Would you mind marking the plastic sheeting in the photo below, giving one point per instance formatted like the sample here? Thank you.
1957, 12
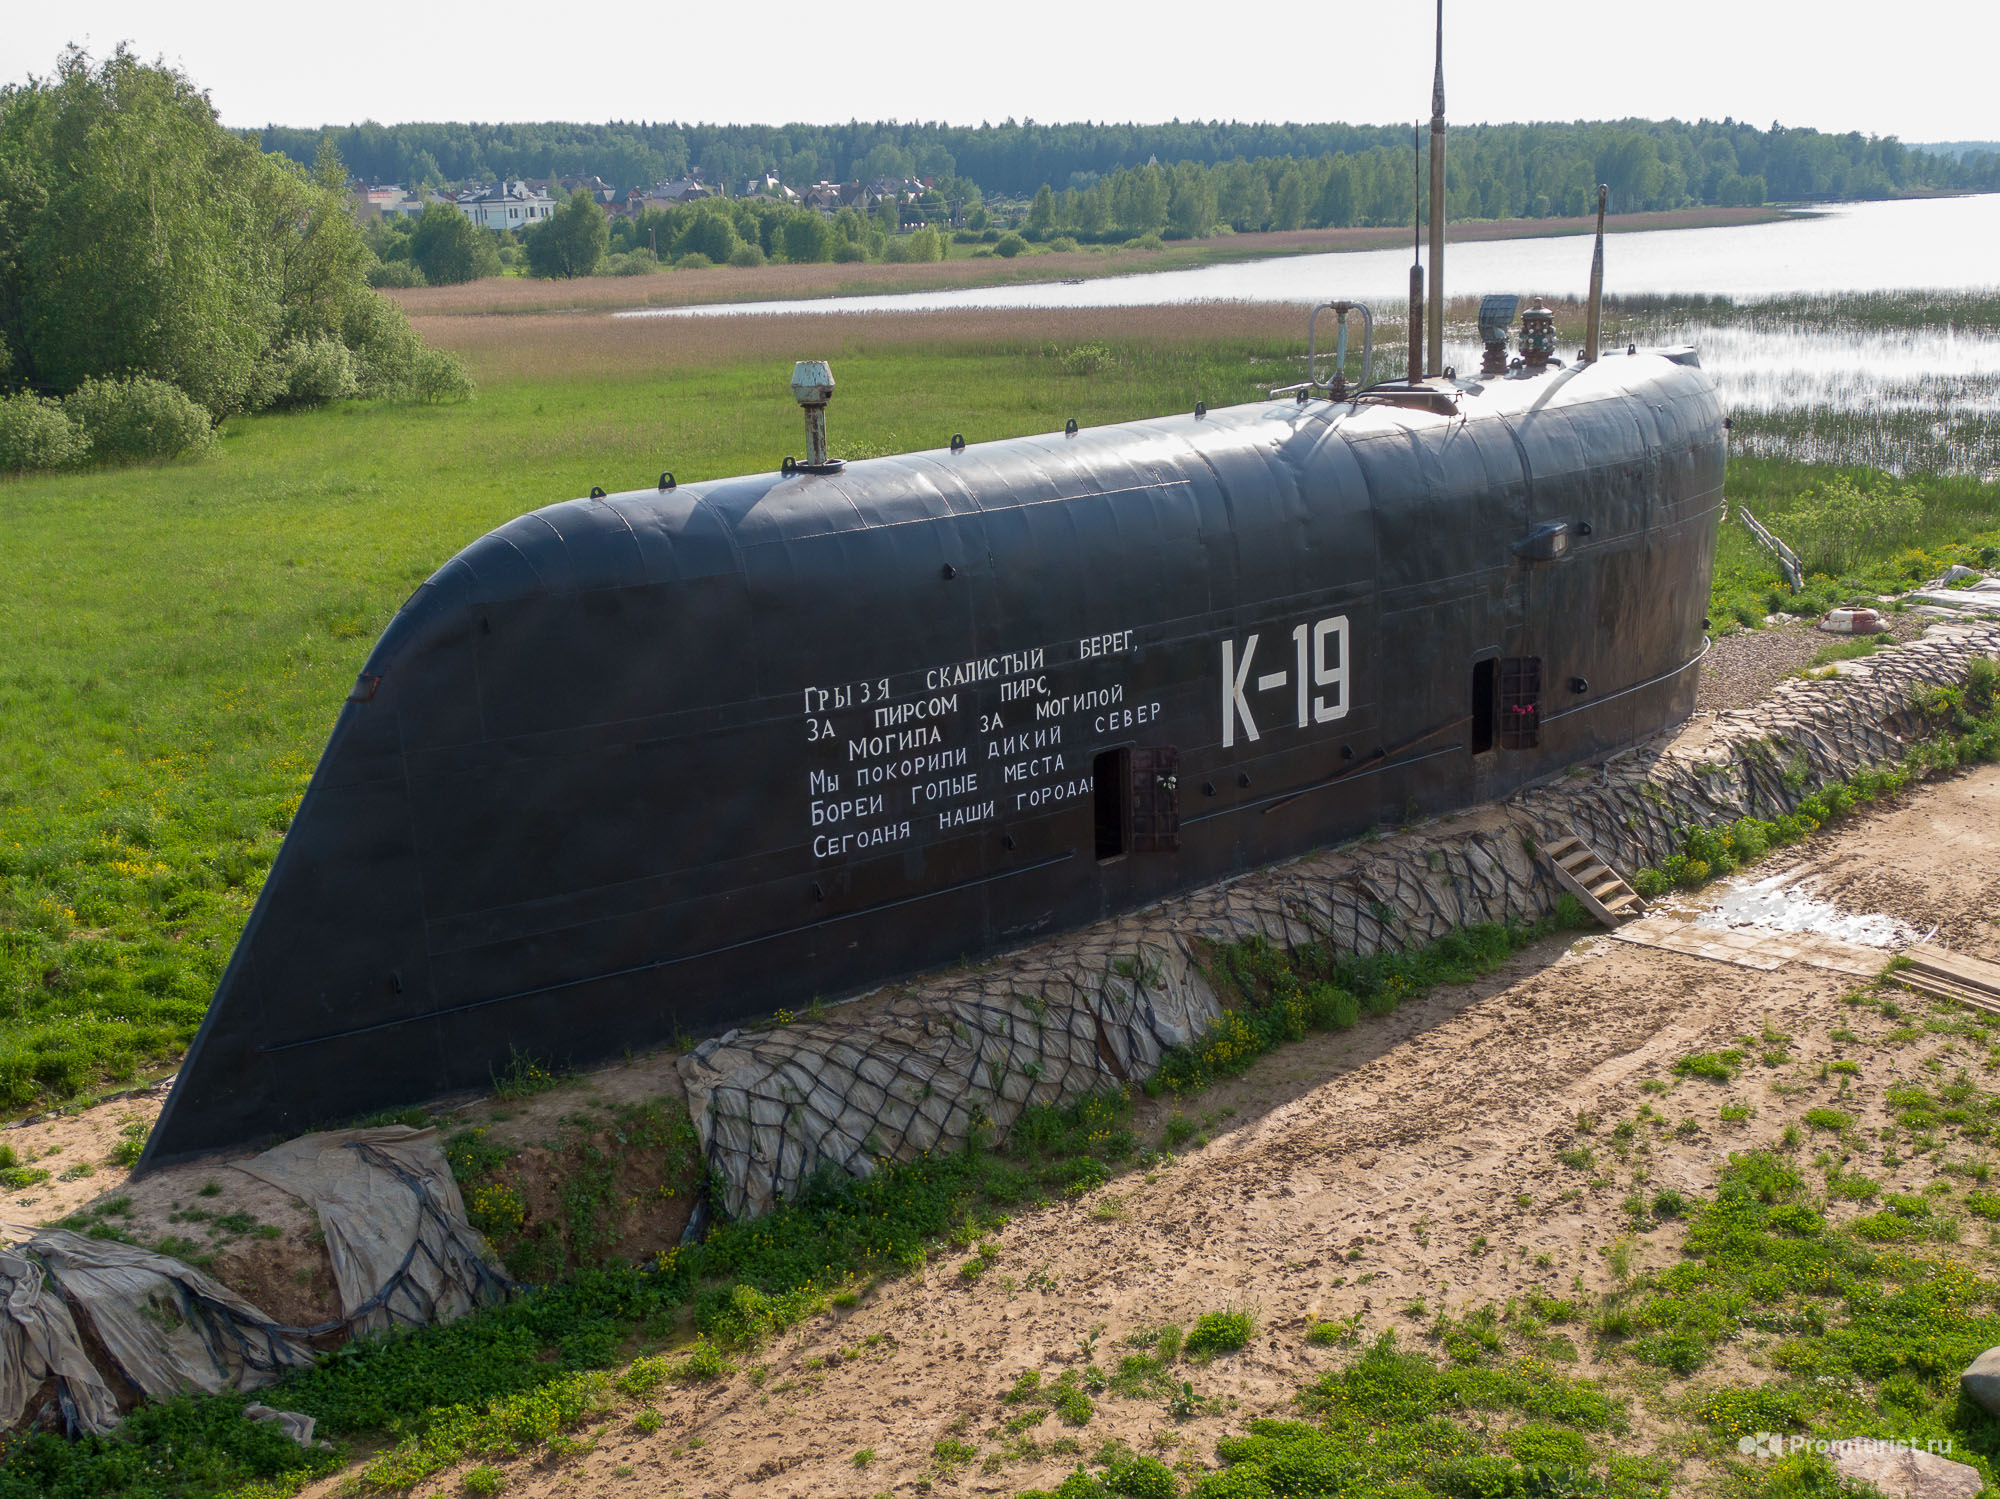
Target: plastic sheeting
395, 1225
38, 1344
92, 1325
164, 1326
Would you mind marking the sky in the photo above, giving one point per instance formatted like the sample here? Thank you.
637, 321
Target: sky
1922, 70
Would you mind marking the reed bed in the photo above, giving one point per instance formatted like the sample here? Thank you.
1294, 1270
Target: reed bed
716, 284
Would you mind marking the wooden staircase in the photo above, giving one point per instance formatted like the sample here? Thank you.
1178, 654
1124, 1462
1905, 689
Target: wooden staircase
1593, 881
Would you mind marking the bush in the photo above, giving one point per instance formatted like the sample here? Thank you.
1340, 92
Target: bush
38, 434
1835, 524
847, 252
312, 372
438, 377
694, 260
746, 256
709, 232
1009, 244
639, 262
1062, 243
138, 418
401, 274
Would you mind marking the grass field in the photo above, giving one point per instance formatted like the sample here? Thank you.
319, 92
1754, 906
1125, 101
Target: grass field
179, 637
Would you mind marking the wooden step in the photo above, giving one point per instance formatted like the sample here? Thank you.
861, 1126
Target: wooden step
1588, 876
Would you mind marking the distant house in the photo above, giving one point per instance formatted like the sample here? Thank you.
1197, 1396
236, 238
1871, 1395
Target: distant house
510, 205
597, 187
767, 185
681, 190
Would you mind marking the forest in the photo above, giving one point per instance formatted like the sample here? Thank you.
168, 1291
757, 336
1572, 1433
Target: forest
1496, 171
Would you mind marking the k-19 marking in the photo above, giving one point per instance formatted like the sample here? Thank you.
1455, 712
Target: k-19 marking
1320, 661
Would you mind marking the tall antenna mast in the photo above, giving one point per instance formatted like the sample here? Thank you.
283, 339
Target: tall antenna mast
1417, 254
1435, 360
1596, 313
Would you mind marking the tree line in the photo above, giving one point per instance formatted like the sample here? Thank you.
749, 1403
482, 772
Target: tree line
1496, 171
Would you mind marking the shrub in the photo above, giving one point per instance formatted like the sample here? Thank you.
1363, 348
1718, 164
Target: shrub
1009, 245
438, 377
138, 418
847, 252
400, 274
746, 256
1062, 242
639, 262
38, 434
310, 372
694, 260
1837, 522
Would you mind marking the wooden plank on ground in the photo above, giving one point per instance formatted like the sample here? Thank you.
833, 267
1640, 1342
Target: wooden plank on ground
1957, 967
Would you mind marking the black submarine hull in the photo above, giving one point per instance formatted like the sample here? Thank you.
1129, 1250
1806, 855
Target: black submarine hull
653, 764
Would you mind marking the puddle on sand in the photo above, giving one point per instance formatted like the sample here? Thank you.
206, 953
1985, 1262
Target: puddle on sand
1768, 923
1785, 903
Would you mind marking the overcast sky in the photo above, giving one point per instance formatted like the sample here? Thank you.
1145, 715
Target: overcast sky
1924, 70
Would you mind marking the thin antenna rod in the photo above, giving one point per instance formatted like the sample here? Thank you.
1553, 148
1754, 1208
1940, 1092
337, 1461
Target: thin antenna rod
1591, 323
1435, 362
1416, 256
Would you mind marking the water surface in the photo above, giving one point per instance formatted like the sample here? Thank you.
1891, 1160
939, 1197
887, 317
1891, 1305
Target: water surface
1926, 244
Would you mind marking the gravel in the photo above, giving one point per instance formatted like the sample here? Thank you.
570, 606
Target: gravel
1746, 664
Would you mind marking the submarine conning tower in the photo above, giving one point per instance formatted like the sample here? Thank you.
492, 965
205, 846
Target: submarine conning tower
658, 763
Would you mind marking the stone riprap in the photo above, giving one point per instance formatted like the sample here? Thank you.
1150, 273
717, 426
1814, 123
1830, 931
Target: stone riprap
918, 1067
